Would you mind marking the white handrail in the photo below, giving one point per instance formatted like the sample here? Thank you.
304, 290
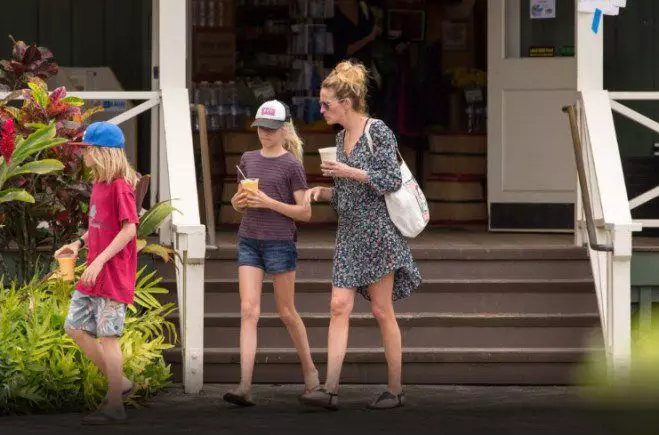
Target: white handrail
638, 96
606, 186
648, 123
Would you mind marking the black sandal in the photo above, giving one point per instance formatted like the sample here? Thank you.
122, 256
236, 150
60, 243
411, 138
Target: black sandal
321, 398
388, 400
237, 399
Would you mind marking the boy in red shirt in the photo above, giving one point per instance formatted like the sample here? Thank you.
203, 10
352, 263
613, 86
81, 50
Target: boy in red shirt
96, 315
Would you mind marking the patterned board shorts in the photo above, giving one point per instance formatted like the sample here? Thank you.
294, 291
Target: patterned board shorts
101, 317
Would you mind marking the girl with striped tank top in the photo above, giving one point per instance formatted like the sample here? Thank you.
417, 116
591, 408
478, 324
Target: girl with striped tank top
267, 239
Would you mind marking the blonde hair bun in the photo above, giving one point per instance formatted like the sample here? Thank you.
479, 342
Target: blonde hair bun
351, 73
348, 81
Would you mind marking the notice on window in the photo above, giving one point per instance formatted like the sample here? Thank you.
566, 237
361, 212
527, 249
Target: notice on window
542, 52
543, 9
608, 7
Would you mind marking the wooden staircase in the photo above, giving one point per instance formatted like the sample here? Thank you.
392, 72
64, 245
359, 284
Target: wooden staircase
493, 311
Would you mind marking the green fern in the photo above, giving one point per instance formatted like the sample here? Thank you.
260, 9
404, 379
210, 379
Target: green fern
41, 368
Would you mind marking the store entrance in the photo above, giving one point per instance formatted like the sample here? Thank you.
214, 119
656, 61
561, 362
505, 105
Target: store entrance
427, 61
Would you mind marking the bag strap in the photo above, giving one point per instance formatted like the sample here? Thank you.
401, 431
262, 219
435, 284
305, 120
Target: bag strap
367, 131
369, 138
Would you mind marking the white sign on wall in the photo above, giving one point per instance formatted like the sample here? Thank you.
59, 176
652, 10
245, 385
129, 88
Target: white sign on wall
608, 7
543, 9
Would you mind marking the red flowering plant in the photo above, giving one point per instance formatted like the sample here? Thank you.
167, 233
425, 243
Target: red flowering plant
60, 199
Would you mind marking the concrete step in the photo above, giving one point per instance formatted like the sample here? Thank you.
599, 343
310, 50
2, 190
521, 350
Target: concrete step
425, 365
436, 330
568, 296
430, 269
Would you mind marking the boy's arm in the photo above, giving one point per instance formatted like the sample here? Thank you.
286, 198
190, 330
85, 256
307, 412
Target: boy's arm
125, 235
82, 240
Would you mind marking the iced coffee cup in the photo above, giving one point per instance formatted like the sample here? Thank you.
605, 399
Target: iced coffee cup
327, 154
67, 264
251, 184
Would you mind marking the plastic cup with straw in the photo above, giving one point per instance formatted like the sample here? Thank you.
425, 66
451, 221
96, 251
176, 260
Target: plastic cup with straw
250, 184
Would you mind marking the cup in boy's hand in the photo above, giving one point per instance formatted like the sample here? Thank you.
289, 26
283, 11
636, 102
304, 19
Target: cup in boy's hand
67, 264
250, 184
327, 154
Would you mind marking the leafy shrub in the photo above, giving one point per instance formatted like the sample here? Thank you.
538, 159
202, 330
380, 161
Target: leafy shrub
42, 369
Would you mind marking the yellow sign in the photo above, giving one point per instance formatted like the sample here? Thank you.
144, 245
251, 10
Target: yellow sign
542, 52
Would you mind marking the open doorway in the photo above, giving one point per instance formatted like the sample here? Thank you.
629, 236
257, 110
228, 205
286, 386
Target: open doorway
428, 62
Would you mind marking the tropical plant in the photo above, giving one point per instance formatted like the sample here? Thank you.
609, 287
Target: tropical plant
61, 199
41, 368
15, 150
27, 62
149, 223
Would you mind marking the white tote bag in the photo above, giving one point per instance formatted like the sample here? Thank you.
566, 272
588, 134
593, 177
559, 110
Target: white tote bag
407, 206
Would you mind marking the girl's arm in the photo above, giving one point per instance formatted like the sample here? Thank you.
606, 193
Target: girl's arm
125, 235
300, 211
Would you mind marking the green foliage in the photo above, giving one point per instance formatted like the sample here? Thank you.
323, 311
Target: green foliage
149, 223
10, 162
41, 368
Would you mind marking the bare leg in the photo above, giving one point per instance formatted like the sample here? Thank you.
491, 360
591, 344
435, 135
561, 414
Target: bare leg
383, 310
93, 350
250, 284
343, 300
114, 364
285, 298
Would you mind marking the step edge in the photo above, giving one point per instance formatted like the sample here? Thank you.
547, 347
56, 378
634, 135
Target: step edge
410, 355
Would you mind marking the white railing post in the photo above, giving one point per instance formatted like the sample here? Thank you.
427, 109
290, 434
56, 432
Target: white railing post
611, 214
165, 232
155, 112
191, 245
619, 308
189, 235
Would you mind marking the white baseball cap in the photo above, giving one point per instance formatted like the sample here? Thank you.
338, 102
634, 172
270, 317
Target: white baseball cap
272, 114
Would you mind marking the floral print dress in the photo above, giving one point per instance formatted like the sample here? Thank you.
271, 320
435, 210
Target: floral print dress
368, 244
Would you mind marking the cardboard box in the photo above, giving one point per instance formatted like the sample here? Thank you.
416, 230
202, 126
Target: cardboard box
214, 52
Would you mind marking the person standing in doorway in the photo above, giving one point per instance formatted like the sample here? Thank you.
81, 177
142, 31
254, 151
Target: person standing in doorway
267, 238
372, 257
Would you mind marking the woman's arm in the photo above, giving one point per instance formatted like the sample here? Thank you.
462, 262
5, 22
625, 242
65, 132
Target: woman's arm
358, 45
383, 173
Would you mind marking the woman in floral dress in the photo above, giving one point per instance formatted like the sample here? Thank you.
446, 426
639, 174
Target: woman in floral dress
372, 257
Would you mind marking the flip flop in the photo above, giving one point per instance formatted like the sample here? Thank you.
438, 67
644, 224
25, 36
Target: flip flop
125, 395
388, 400
321, 398
129, 392
237, 399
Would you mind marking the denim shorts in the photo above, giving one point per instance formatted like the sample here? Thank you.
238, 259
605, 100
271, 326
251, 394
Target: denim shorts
99, 316
273, 256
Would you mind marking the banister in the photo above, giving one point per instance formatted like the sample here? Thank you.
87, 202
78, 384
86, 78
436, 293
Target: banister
583, 184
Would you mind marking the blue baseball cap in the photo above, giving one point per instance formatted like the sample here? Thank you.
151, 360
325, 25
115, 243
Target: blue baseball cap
103, 134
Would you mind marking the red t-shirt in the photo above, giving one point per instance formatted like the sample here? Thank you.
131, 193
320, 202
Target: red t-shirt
111, 205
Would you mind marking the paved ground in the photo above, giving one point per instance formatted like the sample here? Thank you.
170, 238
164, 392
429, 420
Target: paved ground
430, 410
